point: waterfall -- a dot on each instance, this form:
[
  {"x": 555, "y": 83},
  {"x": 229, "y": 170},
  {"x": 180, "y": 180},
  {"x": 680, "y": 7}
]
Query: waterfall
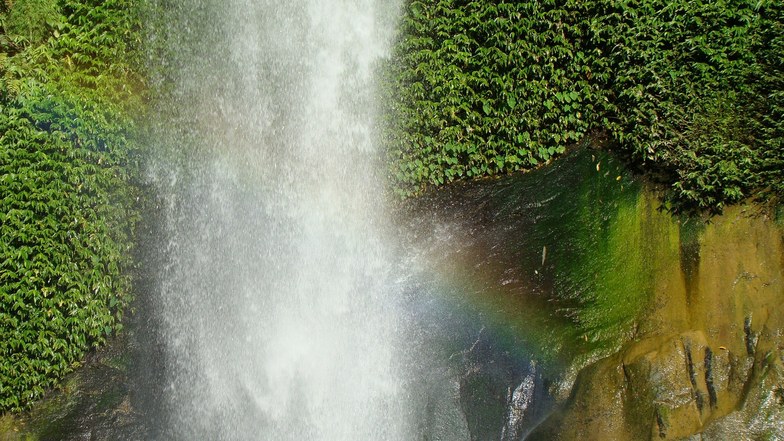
[{"x": 278, "y": 320}]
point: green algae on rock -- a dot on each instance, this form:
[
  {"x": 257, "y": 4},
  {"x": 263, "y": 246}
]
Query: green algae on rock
[{"x": 707, "y": 356}]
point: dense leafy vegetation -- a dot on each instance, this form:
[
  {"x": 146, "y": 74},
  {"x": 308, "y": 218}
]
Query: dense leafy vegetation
[
  {"x": 690, "y": 90},
  {"x": 68, "y": 97}
]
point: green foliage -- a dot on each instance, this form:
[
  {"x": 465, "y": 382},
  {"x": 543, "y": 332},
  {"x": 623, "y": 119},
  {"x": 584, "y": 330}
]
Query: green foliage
[
  {"x": 691, "y": 90},
  {"x": 687, "y": 98},
  {"x": 479, "y": 88},
  {"x": 68, "y": 94},
  {"x": 31, "y": 20}
]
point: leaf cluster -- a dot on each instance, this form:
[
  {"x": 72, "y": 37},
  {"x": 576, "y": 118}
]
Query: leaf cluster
[
  {"x": 68, "y": 97},
  {"x": 691, "y": 90},
  {"x": 479, "y": 88},
  {"x": 695, "y": 95}
]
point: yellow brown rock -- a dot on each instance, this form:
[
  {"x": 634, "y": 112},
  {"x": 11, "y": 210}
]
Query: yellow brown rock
[{"x": 707, "y": 358}]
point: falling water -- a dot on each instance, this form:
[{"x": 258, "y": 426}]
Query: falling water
[{"x": 277, "y": 320}]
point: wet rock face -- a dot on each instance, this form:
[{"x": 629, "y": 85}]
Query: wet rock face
[
  {"x": 708, "y": 358},
  {"x": 660, "y": 389},
  {"x": 664, "y": 319}
]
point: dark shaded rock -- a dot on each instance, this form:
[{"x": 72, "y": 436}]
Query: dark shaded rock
[{"x": 94, "y": 403}]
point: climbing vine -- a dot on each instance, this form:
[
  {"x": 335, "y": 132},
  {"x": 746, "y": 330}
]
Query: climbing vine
[
  {"x": 689, "y": 90},
  {"x": 69, "y": 95}
]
